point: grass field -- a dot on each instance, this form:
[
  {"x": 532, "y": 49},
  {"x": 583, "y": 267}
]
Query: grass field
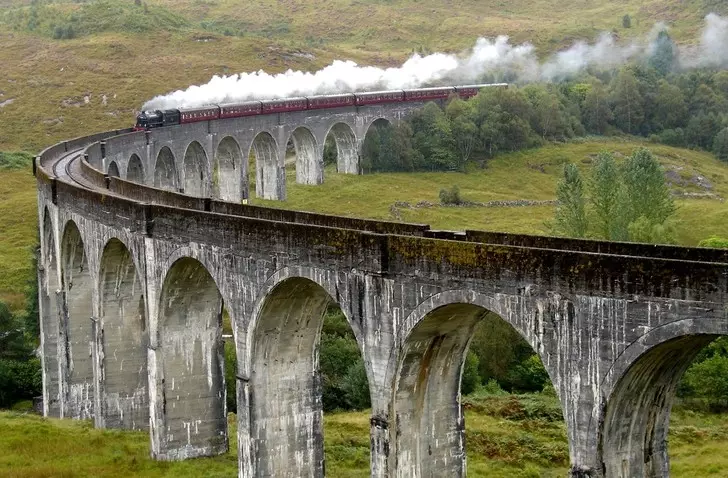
[{"x": 506, "y": 437}]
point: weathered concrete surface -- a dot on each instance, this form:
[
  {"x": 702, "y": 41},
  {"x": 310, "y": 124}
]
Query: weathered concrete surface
[{"x": 614, "y": 324}]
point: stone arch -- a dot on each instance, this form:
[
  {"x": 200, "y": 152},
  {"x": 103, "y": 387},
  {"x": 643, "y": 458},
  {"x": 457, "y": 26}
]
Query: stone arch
[
  {"x": 195, "y": 171},
  {"x": 77, "y": 286},
  {"x": 269, "y": 175},
  {"x": 639, "y": 391},
  {"x": 286, "y": 414},
  {"x": 427, "y": 426},
  {"x": 165, "y": 171},
  {"x": 190, "y": 337},
  {"x": 113, "y": 170},
  {"x": 49, "y": 290},
  {"x": 347, "y": 154},
  {"x": 229, "y": 177},
  {"x": 135, "y": 169},
  {"x": 125, "y": 401},
  {"x": 309, "y": 161}
]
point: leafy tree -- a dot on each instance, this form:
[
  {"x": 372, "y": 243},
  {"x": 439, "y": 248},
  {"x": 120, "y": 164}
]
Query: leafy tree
[
  {"x": 464, "y": 131},
  {"x": 433, "y": 140},
  {"x": 670, "y": 107},
  {"x": 706, "y": 101},
  {"x": 663, "y": 56},
  {"x": 708, "y": 379},
  {"x": 13, "y": 342},
  {"x": 607, "y": 199},
  {"x": 570, "y": 219},
  {"x": 701, "y": 130},
  {"x": 330, "y": 151},
  {"x": 720, "y": 145},
  {"x": 644, "y": 230},
  {"x": 356, "y": 387},
  {"x": 648, "y": 201},
  {"x": 627, "y": 102},
  {"x": 471, "y": 379},
  {"x": 596, "y": 112},
  {"x": 548, "y": 118},
  {"x": 528, "y": 376}
]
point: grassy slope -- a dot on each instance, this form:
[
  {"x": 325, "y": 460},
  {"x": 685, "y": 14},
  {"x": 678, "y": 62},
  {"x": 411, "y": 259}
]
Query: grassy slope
[
  {"x": 525, "y": 175},
  {"x": 18, "y": 223},
  {"x": 498, "y": 447},
  {"x": 49, "y": 78}
]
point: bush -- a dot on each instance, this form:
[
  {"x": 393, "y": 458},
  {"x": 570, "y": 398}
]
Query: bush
[
  {"x": 16, "y": 160},
  {"x": 19, "y": 380},
  {"x": 451, "y": 197},
  {"x": 714, "y": 241}
]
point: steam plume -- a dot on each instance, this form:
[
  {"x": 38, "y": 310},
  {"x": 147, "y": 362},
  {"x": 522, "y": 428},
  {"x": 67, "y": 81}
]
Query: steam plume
[{"x": 496, "y": 58}]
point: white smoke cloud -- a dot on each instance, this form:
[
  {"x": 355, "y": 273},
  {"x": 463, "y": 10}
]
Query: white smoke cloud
[
  {"x": 713, "y": 49},
  {"x": 496, "y": 58}
]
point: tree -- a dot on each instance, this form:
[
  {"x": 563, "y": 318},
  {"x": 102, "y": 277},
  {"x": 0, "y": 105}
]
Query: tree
[
  {"x": 570, "y": 219},
  {"x": 670, "y": 107},
  {"x": 13, "y": 342},
  {"x": 720, "y": 145},
  {"x": 627, "y": 102},
  {"x": 663, "y": 56},
  {"x": 596, "y": 112},
  {"x": 464, "y": 131},
  {"x": 471, "y": 379},
  {"x": 701, "y": 130},
  {"x": 432, "y": 140},
  {"x": 548, "y": 118},
  {"x": 647, "y": 193},
  {"x": 607, "y": 199}
]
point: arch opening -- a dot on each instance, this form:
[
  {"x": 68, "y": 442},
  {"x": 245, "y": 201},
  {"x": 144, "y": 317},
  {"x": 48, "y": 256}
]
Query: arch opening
[
  {"x": 77, "y": 289},
  {"x": 125, "y": 401},
  {"x": 113, "y": 170},
  {"x": 192, "y": 362},
  {"x": 308, "y": 162},
  {"x": 50, "y": 321},
  {"x": 304, "y": 360},
  {"x": 165, "y": 171},
  {"x": 269, "y": 175},
  {"x": 230, "y": 175},
  {"x": 135, "y": 170},
  {"x": 347, "y": 155},
  {"x": 195, "y": 171},
  {"x": 633, "y": 438},
  {"x": 437, "y": 366}
]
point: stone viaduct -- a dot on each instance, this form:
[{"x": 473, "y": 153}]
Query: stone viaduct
[{"x": 144, "y": 243}]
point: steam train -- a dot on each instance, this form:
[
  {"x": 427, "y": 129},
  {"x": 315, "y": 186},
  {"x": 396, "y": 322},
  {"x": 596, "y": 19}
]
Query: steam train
[{"x": 147, "y": 120}]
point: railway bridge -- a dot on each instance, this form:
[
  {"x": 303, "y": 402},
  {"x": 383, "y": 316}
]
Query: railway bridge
[{"x": 143, "y": 245}]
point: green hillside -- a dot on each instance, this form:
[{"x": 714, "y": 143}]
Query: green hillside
[{"x": 122, "y": 54}]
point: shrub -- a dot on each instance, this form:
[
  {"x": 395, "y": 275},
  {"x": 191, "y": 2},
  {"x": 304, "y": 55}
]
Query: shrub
[
  {"x": 627, "y": 21},
  {"x": 720, "y": 145},
  {"x": 19, "y": 380},
  {"x": 714, "y": 241},
  {"x": 451, "y": 197}
]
